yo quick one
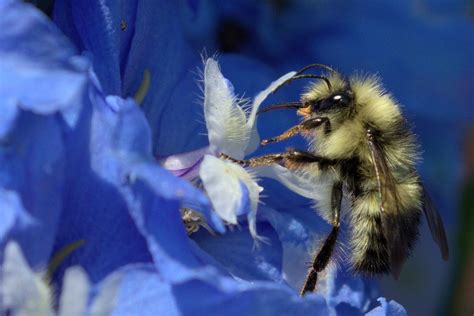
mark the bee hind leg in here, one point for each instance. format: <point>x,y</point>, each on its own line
<point>321,259</point>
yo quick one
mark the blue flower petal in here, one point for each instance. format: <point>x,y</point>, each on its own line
<point>40,74</point>
<point>7,119</point>
<point>177,119</point>
<point>237,252</point>
<point>160,222</point>
<point>121,57</point>
<point>143,290</point>
<point>296,234</point>
<point>256,300</point>
<point>117,195</point>
<point>168,186</point>
<point>159,46</point>
<point>351,291</point>
<point>94,209</point>
<point>104,28</point>
<point>32,165</point>
<point>40,71</point>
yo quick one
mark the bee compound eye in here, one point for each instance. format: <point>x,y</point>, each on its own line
<point>342,99</point>
<point>336,100</point>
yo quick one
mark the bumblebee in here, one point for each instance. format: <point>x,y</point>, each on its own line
<point>359,139</point>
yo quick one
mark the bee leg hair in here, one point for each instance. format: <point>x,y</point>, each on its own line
<point>321,259</point>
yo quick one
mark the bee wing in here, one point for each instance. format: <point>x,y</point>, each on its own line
<point>435,224</point>
<point>389,208</point>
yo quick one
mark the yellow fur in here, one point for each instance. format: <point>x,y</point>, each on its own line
<point>362,223</point>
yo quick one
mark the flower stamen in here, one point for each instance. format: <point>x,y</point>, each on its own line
<point>144,87</point>
<point>193,221</point>
<point>59,258</point>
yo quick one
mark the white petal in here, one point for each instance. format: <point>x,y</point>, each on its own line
<point>22,291</point>
<point>12,211</point>
<point>104,303</point>
<point>309,183</point>
<point>225,120</point>
<point>75,291</point>
<point>223,183</point>
<point>185,165</point>
<point>251,124</point>
<point>304,185</point>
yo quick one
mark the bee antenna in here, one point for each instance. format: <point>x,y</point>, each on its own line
<point>299,75</point>
<point>315,66</point>
<point>287,105</point>
<point>296,77</point>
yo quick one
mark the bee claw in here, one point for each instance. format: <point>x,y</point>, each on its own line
<point>268,141</point>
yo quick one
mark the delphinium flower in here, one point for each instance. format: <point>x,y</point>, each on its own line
<point>77,165</point>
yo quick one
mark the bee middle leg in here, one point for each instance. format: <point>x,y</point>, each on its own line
<point>304,126</point>
<point>290,159</point>
<point>321,259</point>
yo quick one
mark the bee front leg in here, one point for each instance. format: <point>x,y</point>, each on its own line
<point>290,159</point>
<point>321,259</point>
<point>304,126</point>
